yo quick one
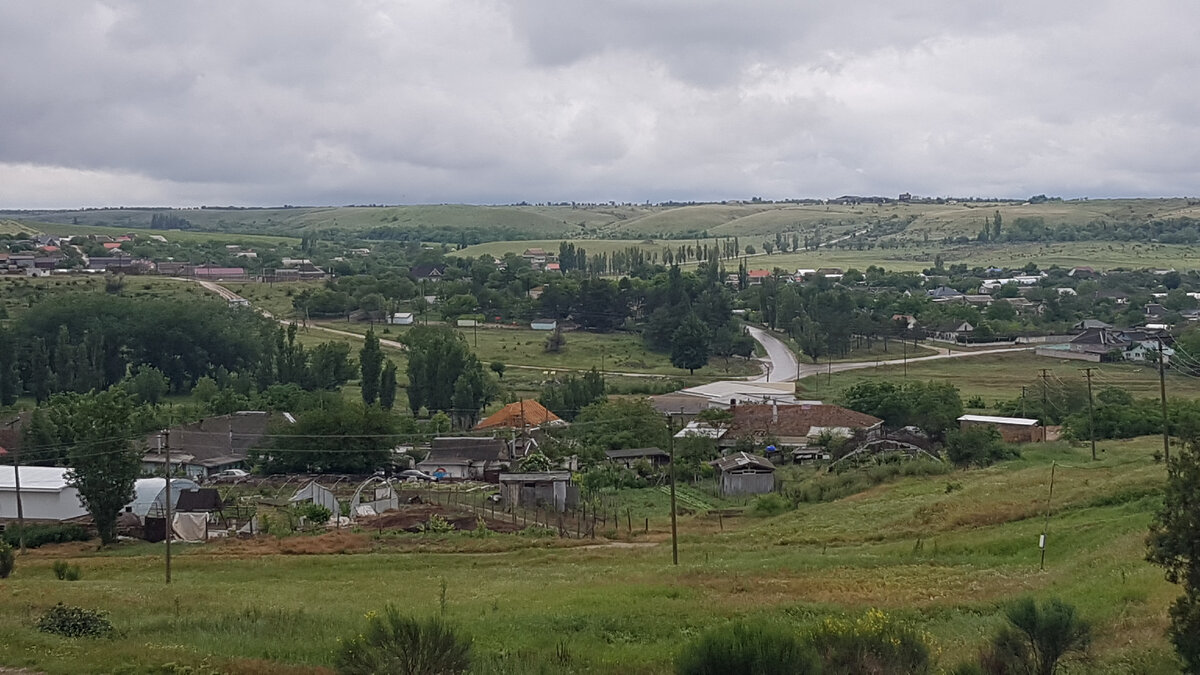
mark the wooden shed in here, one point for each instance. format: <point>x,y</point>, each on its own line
<point>744,474</point>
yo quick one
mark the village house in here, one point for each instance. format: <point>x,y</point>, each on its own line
<point>756,277</point>
<point>45,495</point>
<point>526,421</point>
<point>466,458</point>
<point>1104,343</point>
<point>627,458</point>
<point>211,445</point>
<point>795,427</point>
<point>427,272</point>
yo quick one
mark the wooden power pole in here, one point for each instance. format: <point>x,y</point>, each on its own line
<point>1091,413</point>
<point>1162,397</point>
<point>674,530</point>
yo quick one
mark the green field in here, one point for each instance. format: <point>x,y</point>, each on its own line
<point>942,552</point>
<point>999,377</point>
<point>19,293</point>
<point>172,236</point>
<point>636,222</point>
<point>612,352</point>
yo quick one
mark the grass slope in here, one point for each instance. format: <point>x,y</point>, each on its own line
<point>943,552</point>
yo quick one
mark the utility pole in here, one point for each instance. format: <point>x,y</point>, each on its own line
<point>905,358</point>
<point>1091,414</point>
<point>1162,396</point>
<point>1045,405</point>
<point>1023,402</point>
<point>1046,522</point>
<point>674,531</point>
<point>20,506</point>
<point>167,539</point>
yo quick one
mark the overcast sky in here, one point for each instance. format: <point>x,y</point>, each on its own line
<point>482,101</point>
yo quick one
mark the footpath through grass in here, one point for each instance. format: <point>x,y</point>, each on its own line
<point>944,552</point>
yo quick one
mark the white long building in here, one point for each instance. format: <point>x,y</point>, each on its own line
<point>45,495</point>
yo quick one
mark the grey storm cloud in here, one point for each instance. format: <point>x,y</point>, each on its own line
<point>487,101</point>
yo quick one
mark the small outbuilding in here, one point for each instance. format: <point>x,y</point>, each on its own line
<point>541,488</point>
<point>544,324</point>
<point>1012,429</point>
<point>744,474</point>
<point>402,319</point>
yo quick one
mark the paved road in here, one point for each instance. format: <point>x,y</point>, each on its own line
<point>781,362</point>
<point>784,368</point>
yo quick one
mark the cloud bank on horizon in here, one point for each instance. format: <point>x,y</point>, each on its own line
<point>125,102</point>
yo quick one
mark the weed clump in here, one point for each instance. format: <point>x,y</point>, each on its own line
<point>74,622</point>
<point>745,650</point>
<point>770,504</point>
<point>872,643</point>
<point>393,643</point>
<point>66,572</point>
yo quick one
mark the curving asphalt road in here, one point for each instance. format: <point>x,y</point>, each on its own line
<point>782,365</point>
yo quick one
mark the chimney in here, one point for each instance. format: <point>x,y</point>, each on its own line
<point>774,411</point>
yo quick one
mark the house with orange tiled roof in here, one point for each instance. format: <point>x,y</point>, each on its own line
<point>527,414</point>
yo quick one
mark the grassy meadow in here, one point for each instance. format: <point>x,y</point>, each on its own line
<point>941,552</point>
<point>999,377</point>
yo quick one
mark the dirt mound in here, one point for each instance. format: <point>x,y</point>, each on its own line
<point>412,518</point>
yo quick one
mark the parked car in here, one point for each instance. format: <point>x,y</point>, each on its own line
<point>229,475</point>
<point>411,474</point>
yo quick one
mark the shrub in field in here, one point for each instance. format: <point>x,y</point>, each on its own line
<point>66,572</point>
<point>873,644</point>
<point>7,561</point>
<point>394,643</point>
<point>741,649</point>
<point>39,535</point>
<point>1035,639</point>
<point>437,525</point>
<point>852,480</point>
<point>74,622</point>
<point>769,505</point>
<point>977,446</point>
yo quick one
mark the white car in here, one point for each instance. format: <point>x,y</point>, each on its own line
<point>230,475</point>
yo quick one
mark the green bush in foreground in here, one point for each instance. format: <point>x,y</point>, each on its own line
<point>74,622</point>
<point>771,504</point>
<point>7,561</point>
<point>401,645</point>
<point>1035,639</point>
<point>40,535</point>
<point>741,649</point>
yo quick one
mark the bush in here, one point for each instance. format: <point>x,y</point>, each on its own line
<point>872,643</point>
<point>65,572</point>
<point>7,560</point>
<point>1035,639</point>
<point>769,505</point>
<point>853,480</point>
<point>74,622</point>
<point>393,643</point>
<point>744,650</point>
<point>39,535</point>
<point>977,446</point>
